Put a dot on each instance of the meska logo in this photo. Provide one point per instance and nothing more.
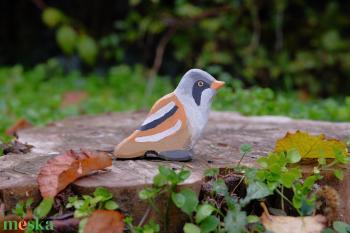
(34, 224)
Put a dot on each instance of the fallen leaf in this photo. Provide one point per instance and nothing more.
(310, 146)
(20, 124)
(106, 221)
(63, 169)
(73, 97)
(288, 224)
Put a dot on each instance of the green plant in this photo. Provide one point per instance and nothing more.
(22, 207)
(101, 199)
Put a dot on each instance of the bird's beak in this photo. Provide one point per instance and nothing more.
(217, 85)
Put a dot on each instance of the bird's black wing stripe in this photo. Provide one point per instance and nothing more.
(158, 121)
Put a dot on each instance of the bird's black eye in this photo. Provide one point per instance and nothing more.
(200, 83)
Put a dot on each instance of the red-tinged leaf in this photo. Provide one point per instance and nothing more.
(73, 97)
(63, 169)
(20, 124)
(105, 221)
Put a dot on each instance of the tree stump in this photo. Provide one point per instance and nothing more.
(218, 147)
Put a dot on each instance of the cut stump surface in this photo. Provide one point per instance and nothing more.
(218, 147)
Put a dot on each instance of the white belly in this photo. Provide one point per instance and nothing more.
(197, 119)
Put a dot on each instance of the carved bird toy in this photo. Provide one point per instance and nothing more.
(175, 121)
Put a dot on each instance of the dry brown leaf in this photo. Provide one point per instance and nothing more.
(63, 169)
(310, 146)
(73, 97)
(20, 124)
(288, 224)
(106, 221)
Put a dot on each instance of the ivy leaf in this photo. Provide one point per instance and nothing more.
(191, 228)
(204, 211)
(235, 222)
(256, 190)
(220, 187)
(311, 146)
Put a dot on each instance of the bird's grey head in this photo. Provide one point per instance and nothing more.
(199, 85)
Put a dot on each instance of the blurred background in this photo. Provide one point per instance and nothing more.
(62, 58)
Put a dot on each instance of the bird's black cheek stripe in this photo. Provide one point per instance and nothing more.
(197, 92)
(158, 121)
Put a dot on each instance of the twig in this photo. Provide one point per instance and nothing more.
(145, 216)
(240, 181)
(158, 61)
(256, 27)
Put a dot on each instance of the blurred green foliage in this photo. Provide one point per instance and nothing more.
(284, 44)
(38, 95)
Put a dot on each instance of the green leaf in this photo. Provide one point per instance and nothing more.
(327, 230)
(220, 187)
(322, 161)
(103, 193)
(82, 224)
(209, 224)
(203, 211)
(44, 207)
(191, 200)
(66, 38)
(183, 175)
(111, 205)
(148, 193)
(287, 178)
(341, 227)
(169, 173)
(51, 16)
(211, 172)
(339, 174)
(310, 181)
(293, 156)
(245, 148)
(178, 199)
(87, 49)
(160, 180)
(252, 219)
(191, 228)
(166, 171)
(256, 190)
(340, 156)
(235, 222)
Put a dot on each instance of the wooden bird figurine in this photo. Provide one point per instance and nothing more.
(175, 121)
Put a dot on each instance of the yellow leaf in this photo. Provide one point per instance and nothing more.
(310, 146)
